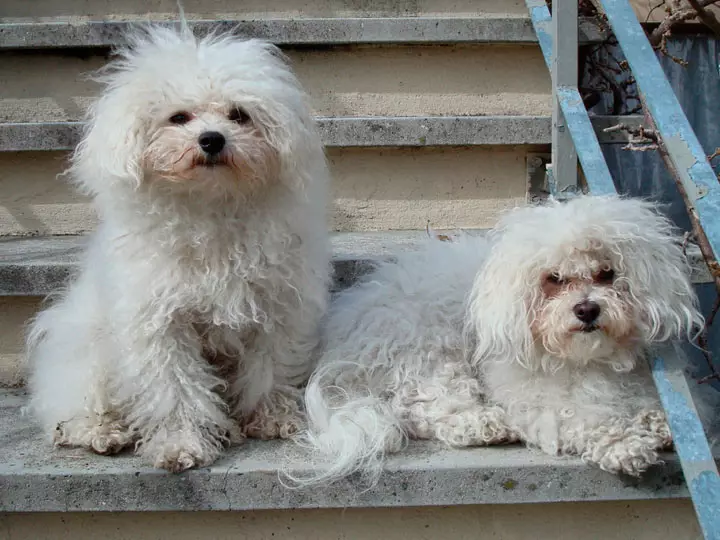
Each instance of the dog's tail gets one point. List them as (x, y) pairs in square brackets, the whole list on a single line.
[(349, 429)]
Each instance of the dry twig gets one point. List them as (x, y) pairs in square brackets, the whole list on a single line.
[(678, 13), (701, 239), (432, 233), (708, 18), (641, 138)]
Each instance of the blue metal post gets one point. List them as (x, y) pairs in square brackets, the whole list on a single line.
[(564, 74), (698, 465), (578, 124)]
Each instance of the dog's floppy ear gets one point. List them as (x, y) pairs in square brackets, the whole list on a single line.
[(658, 276), (284, 116), (498, 322), (111, 149)]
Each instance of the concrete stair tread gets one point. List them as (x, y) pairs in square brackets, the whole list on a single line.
[(354, 131), (32, 266), (36, 478), (496, 28)]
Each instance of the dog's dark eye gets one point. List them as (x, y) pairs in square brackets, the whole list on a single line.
[(555, 279), (180, 118), (239, 116), (605, 276)]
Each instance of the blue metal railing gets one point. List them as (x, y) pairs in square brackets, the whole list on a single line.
[(687, 158)]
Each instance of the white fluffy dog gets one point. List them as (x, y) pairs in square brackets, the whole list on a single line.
[(196, 308), (537, 332)]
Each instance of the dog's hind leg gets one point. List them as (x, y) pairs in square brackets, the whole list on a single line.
[(440, 412), (475, 425), (68, 379), (277, 415), (267, 404), (267, 399)]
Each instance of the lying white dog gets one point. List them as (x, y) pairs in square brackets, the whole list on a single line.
[(537, 332), (195, 311)]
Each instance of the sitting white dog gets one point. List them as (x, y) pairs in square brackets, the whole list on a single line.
[(537, 332), (196, 308)]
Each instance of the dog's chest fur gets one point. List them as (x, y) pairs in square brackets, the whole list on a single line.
[(220, 269)]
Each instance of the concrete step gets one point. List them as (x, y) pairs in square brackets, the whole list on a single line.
[(37, 266), (373, 189), (339, 132), (310, 31), (37, 478), (30, 268), (359, 81), (79, 10), (33, 267), (335, 132)]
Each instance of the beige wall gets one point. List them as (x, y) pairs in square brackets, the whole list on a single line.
[(14, 312), (662, 520)]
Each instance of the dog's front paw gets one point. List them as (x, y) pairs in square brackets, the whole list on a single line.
[(632, 455), (179, 453), (103, 435), (178, 460), (655, 422), (111, 438)]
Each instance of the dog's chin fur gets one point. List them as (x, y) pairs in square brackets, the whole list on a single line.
[(194, 314), (476, 342)]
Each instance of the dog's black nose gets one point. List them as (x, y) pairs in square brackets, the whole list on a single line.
[(212, 142), (587, 311)]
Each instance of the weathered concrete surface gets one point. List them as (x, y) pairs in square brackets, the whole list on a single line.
[(37, 266), (36, 478), (80, 10), (335, 132), (84, 10), (28, 136), (351, 132), (325, 31)]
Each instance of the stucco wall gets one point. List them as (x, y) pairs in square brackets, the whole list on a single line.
[(660, 520)]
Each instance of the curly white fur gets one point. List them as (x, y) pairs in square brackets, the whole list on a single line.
[(195, 311), (477, 342)]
